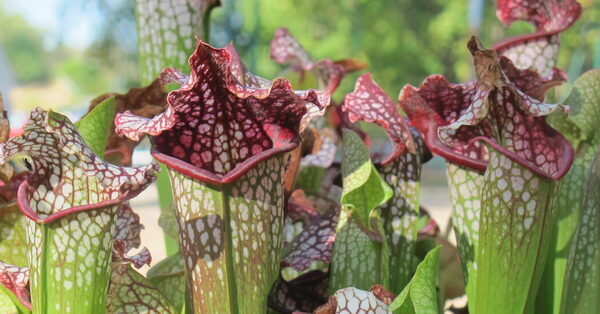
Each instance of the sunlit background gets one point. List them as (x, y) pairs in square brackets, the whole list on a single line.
[(60, 54)]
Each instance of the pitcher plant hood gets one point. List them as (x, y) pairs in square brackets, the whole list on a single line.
[(503, 107), (67, 176), (224, 120)]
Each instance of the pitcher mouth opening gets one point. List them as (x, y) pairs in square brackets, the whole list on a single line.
[(25, 208), (566, 159), (212, 178)]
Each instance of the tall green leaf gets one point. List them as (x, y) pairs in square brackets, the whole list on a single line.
[(578, 194), (580, 128), (420, 295), (363, 187), (95, 126), (360, 252), (582, 276), (523, 156), (401, 169)]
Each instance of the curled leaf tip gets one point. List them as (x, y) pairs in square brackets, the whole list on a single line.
[(239, 70), (529, 80), (369, 103), (545, 15), (487, 65), (132, 126), (550, 17), (128, 227), (316, 105), (66, 176), (431, 229), (492, 71), (352, 65), (285, 49), (172, 75), (221, 122), (138, 260)]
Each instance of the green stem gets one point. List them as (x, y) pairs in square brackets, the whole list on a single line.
[(230, 266), (361, 253), (206, 22)]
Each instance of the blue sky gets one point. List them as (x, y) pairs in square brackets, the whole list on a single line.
[(76, 30)]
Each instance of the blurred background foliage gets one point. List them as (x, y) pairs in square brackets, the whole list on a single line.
[(402, 41)]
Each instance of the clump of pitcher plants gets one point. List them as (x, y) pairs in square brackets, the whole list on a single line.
[(280, 203)]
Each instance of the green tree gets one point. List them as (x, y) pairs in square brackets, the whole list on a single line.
[(22, 44)]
